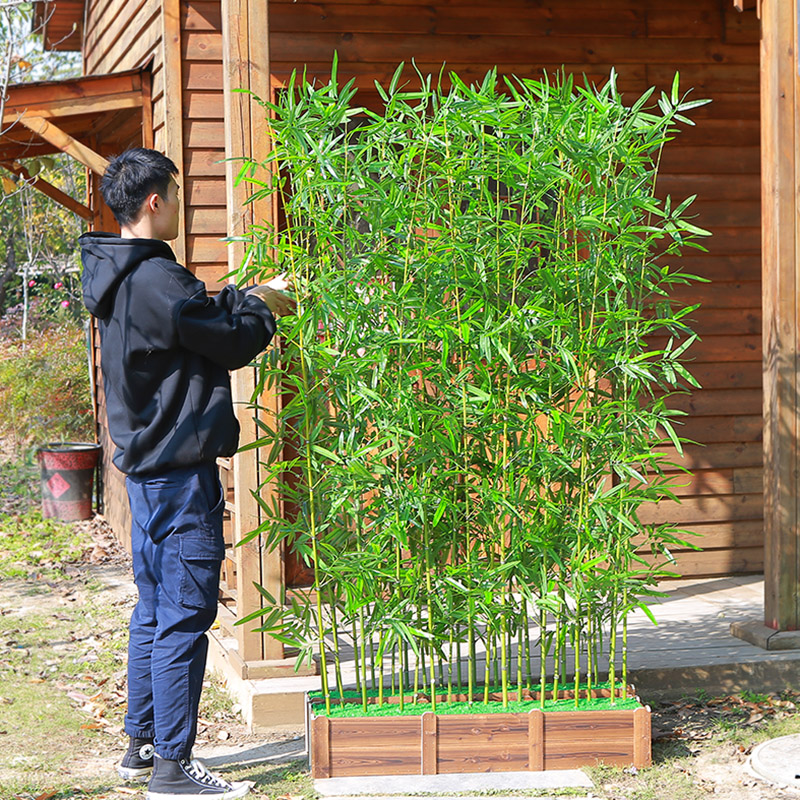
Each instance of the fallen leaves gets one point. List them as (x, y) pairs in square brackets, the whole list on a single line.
[(755, 716), (98, 555), (109, 694), (693, 720)]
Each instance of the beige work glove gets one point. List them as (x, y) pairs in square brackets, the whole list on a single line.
[(274, 295)]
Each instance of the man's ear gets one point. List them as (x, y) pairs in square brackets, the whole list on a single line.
[(152, 202)]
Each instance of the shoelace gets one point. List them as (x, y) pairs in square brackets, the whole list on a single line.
[(197, 770)]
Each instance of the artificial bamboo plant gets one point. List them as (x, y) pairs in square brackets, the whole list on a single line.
[(474, 390)]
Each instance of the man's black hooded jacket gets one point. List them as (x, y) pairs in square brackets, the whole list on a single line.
[(166, 348)]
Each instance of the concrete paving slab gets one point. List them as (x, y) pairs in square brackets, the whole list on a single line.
[(222, 755), (409, 785), (778, 761), (464, 797)]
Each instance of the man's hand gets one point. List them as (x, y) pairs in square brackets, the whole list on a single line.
[(273, 295)]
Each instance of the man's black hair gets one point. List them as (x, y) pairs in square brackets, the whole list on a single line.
[(131, 177)]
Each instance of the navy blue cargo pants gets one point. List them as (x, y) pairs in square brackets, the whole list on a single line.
[(177, 546)]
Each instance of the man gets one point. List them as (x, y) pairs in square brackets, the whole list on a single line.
[(166, 349)]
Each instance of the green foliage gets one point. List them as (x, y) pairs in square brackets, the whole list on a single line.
[(753, 697), (474, 388), (42, 235), (44, 386), (19, 483), (447, 708)]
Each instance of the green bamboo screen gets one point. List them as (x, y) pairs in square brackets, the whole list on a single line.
[(475, 385)]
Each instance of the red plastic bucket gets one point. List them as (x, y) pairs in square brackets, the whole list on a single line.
[(68, 478)]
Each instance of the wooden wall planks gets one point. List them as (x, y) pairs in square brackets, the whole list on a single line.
[(122, 34), (716, 51)]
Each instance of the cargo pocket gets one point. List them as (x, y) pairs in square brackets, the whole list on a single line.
[(201, 556)]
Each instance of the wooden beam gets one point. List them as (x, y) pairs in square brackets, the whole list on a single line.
[(73, 107), (245, 35), (75, 93), (264, 211), (51, 191), (147, 113), (781, 321), (64, 142), (173, 107)]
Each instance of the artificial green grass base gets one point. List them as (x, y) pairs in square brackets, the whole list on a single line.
[(391, 708)]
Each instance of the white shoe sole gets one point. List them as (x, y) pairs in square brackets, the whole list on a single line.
[(236, 791), (141, 775)]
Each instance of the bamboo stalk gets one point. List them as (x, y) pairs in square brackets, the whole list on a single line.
[(542, 656), (336, 653)]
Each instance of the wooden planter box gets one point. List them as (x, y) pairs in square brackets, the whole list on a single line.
[(451, 743)]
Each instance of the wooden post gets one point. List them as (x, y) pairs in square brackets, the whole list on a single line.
[(245, 519), (320, 748), (536, 740), (781, 334), (642, 741), (245, 34), (173, 107), (428, 755)]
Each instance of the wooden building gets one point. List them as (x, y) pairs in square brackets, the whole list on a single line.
[(186, 57)]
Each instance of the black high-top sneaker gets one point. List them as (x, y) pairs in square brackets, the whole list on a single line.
[(137, 763), (190, 780)]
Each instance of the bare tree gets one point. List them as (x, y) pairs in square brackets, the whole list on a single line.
[(14, 19), (23, 59), (25, 225), (10, 268)]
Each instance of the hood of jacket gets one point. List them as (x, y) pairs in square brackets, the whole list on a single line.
[(107, 259)]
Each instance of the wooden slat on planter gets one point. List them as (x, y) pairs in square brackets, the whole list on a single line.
[(374, 746), (483, 743), (575, 739), (642, 738)]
